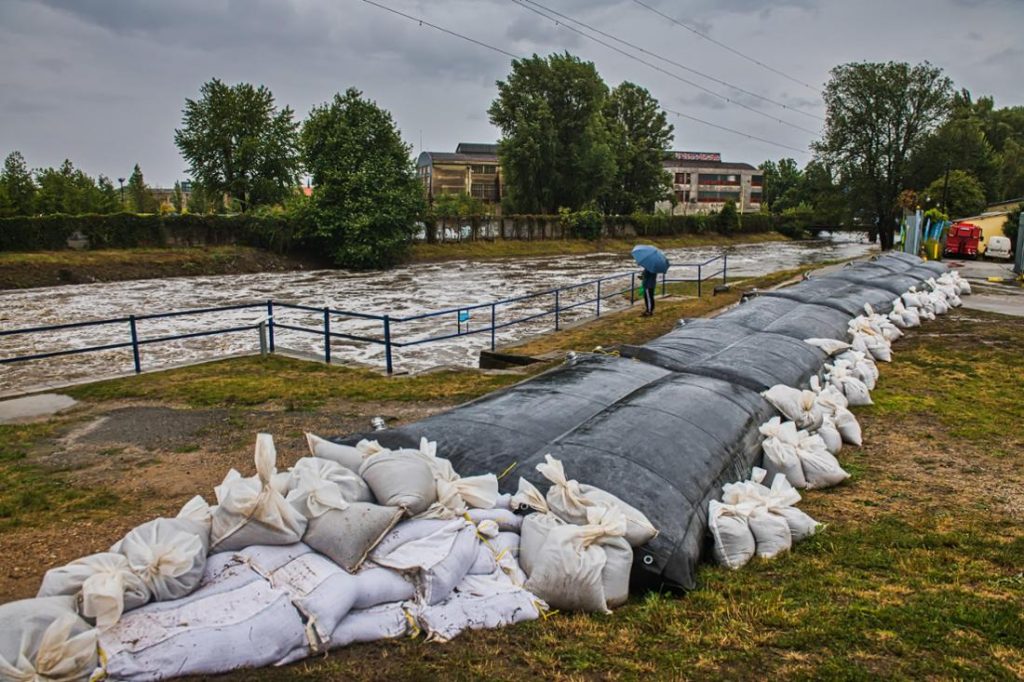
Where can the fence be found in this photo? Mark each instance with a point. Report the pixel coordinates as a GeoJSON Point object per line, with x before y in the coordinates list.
{"type": "Point", "coordinates": [266, 324]}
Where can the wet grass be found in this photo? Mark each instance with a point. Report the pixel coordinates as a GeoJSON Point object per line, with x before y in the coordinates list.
{"type": "Point", "coordinates": [483, 250]}
{"type": "Point", "coordinates": [35, 495]}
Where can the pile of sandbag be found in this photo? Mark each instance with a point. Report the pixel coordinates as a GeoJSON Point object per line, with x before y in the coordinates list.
{"type": "Point", "coordinates": [756, 520]}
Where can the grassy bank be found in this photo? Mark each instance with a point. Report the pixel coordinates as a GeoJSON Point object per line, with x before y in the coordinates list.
{"type": "Point", "coordinates": [22, 270]}
{"type": "Point", "coordinates": [481, 250]}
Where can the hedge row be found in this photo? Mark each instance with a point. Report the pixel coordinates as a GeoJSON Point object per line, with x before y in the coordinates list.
{"type": "Point", "coordinates": [128, 230]}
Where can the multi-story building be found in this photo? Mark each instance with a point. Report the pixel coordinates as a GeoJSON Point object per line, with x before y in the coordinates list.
{"type": "Point", "coordinates": [702, 183]}
{"type": "Point", "coordinates": [473, 169]}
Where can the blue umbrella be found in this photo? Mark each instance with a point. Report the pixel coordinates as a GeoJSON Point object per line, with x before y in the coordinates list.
{"type": "Point", "coordinates": [650, 258]}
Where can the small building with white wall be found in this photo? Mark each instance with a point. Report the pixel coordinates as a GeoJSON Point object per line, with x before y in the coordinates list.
{"type": "Point", "coordinates": [702, 183]}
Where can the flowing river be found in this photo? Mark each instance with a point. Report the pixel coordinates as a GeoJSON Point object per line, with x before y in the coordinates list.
{"type": "Point", "coordinates": [401, 292]}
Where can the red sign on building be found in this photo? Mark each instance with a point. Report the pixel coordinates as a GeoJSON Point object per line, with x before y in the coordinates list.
{"type": "Point", "coordinates": [697, 156]}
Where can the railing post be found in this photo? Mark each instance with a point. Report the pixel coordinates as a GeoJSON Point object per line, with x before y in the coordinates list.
{"type": "Point", "coordinates": [632, 288]}
{"type": "Point", "coordinates": [598, 298]}
{"type": "Point", "coordinates": [493, 322]}
{"type": "Point", "coordinates": [262, 327]}
{"type": "Point", "coordinates": [557, 327]}
{"type": "Point", "coordinates": [327, 335]}
{"type": "Point", "coordinates": [700, 279]}
{"type": "Point", "coordinates": [387, 344]}
{"type": "Point", "coordinates": [135, 344]}
{"type": "Point", "coordinates": [725, 268]}
{"type": "Point", "coordinates": [664, 275]}
{"type": "Point", "coordinates": [270, 324]}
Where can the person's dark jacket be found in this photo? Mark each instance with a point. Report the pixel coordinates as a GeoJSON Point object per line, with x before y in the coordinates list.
{"type": "Point", "coordinates": [650, 280]}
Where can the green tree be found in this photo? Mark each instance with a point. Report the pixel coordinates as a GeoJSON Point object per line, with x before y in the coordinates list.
{"type": "Point", "coordinates": [1011, 169]}
{"type": "Point", "coordinates": [139, 197]}
{"type": "Point", "coordinates": [178, 198]}
{"type": "Point", "coordinates": [960, 195]}
{"type": "Point", "coordinates": [779, 181]}
{"type": "Point", "coordinates": [19, 190]}
{"type": "Point", "coordinates": [459, 205]}
{"type": "Point", "coordinates": [366, 196]}
{"type": "Point", "coordinates": [238, 143]}
{"type": "Point", "coordinates": [554, 148]}
{"type": "Point", "coordinates": [639, 135]}
{"type": "Point", "coordinates": [1012, 226]}
{"type": "Point", "coordinates": [199, 201]}
{"type": "Point", "coordinates": [878, 116]}
{"type": "Point", "coordinates": [107, 198]}
{"type": "Point", "coordinates": [68, 190]}
{"type": "Point", "coordinates": [728, 219]}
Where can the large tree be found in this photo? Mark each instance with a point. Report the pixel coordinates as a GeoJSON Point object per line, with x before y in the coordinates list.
{"type": "Point", "coordinates": [878, 115]}
{"type": "Point", "coordinates": [639, 135]}
{"type": "Point", "coordinates": [140, 197]}
{"type": "Point", "coordinates": [554, 147]}
{"type": "Point", "coordinates": [779, 183]}
{"type": "Point", "coordinates": [18, 188]}
{"type": "Point", "coordinates": [366, 197]}
{"type": "Point", "coordinates": [70, 190]}
{"type": "Point", "coordinates": [238, 143]}
{"type": "Point", "coordinates": [959, 194]}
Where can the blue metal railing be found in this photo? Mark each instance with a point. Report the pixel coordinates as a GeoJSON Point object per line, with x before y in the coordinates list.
{"type": "Point", "coordinates": [268, 325]}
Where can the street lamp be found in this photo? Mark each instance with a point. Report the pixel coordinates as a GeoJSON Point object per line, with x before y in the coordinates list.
{"type": "Point", "coordinates": [121, 180]}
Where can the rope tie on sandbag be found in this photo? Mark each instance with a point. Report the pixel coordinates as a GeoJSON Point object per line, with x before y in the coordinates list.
{"type": "Point", "coordinates": [508, 470]}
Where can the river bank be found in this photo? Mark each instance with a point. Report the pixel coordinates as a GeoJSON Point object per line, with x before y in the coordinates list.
{"type": "Point", "coordinates": [25, 270]}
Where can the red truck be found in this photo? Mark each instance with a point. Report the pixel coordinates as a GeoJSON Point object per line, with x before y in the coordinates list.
{"type": "Point", "coordinates": [962, 240]}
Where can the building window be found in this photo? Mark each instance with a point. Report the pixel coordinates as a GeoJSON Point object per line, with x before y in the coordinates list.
{"type": "Point", "coordinates": [756, 180]}
{"type": "Point", "coordinates": [487, 191]}
{"type": "Point", "coordinates": [682, 178]}
{"type": "Point", "coordinates": [716, 179]}
{"type": "Point", "coordinates": [682, 196]}
{"type": "Point", "coordinates": [485, 169]}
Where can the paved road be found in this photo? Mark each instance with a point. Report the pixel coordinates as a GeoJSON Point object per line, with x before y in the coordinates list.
{"type": "Point", "coordinates": [1007, 299]}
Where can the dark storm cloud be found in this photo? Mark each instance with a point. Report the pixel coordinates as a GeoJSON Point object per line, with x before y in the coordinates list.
{"type": "Point", "coordinates": [103, 81]}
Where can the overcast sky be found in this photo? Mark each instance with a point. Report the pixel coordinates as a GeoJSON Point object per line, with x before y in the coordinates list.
{"type": "Point", "coordinates": [103, 82]}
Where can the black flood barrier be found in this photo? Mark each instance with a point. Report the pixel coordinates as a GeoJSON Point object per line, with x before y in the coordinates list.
{"type": "Point", "coordinates": [489, 434]}
{"type": "Point", "coordinates": [667, 449]}
{"type": "Point", "coordinates": [725, 350]}
{"type": "Point", "coordinates": [894, 283]}
{"type": "Point", "coordinates": [789, 318]}
{"type": "Point", "coordinates": [847, 297]}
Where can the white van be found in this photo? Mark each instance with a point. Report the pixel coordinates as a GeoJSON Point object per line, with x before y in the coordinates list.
{"type": "Point", "coordinates": [998, 247]}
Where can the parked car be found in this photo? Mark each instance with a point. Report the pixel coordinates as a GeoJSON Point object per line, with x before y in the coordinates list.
{"type": "Point", "coordinates": [999, 247]}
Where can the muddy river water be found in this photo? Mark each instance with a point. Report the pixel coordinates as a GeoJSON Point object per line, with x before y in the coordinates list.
{"type": "Point", "coordinates": [403, 291]}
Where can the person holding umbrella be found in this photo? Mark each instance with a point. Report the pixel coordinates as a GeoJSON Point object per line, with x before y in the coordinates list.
{"type": "Point", "coordinates": [654, 262]}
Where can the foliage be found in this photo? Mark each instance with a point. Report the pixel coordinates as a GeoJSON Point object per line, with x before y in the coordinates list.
{"type": "Point", "coordinates": [779, 180]}
{"type": "Point", "coordinates": [199, 200]}
{"type": "Point", "coordinates": [238, 143]}
{"type": "Point", "coordinates": [554, 148]}
{"type": "Point", "coordinates": [936, 215]}
{"type": "Point", "coordinates": [69, 190]}
{"type": "Point", "coordinates": [17, 189]}
{"type": "Point", "coordinates": [1011, 227]}
{"type": "Point", "coordinates": [459, 205]}
{"type": "Point", "coordinates": [878, 116]}
{"type": "Point", "coordinates": [367, 198]}
{"type": "Point", "coordinates": [959, 194]}
{"type": "Point", "coordinates": [727, 220]}
{"type": "Point", "coordinates": [178, 198]}
{"type": "Point", "coordinates": [129, 230]}
{"type": "Point", "coordinates": [587, 223]}
{"type": "Point", "coordinates": [639, 134]}
{"type": "Point", "coordinates": [140, 198]}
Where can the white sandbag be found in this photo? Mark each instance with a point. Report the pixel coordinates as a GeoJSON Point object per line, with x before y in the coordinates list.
{"type": "Point", "coordinates": [386, 621]}
{"type": "Point", "coordinates": [198, 511]}
{"type": "Point", "coordinates": [570, 500]}
{"type": "Point", "coordinates": [801, 525]}
{"type": "Point", "coordinates": [492, 551]}
{"type": "Point", "coordinates": [479, 602]}
{"type": "Point", "coordinates": [770, 531]}
{"type": "Point", "coordinates": [250, 512]}
{"type": "Point", "coordinates": [455, 492]}
{"type": "Point", "coordinates": [265, 559]}
{"type": "Point", "coordinates": [167, 554]}
{"type": "Point", "coordinates": [830, 434]}
{"type": "Point", "coordinates": [795, 404]}
{"type": "Point", "coordinates": [751, 490]}
{"type": "Point", "coordinates": [250, 626]}
{"type": "Point", "coordinates": [529, 497]}
{"type": "Point", "coordinates": [506, 519]}
{"type": "Point", "coordinates": [829, 346]}
{"type": "Point", "coordinates": [734, 544]}
{"type": "Point", "coordinates": [821, 469]}
{"type": "Point", "coordinates": [584, 567]}
{"type": "Point", "coordinates": [320, 589]}
{"type": "Point", "coordinates": [780, 456]}
{"type": "Point", "coordinates": [841, 376]}
{"type": "Point", "coordinates": [436, 563]}
{"type": "Point", "coordinates": [875, 344]}
{"type": "Point", "coordinates": [407, 531]}
{"type": "Point", "coordinates": [377, 585]}
{"type": "Point", "coordinates": [533, 535]}
{"type": "Point", "coordinates": [104, 583]}
{"type": "Point", "coordinates": [400, 480]}
{"type": "Point", "coordinates": [353, 488]}
{"type": "Point", "coordinates": [43, 640]}
{"type": "Point", "coordinates": [862, 366]}
{"type": "Point", "coordinates": [347, 456]}
{"type": "Point", "coordinates": [348, 535]}
{"type": "Point", "coordinates": [964, 287]}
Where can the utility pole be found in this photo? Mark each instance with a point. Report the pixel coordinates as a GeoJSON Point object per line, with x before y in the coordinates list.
{"type": "Point", "coordinates": [945, 190]}
{"type": "Point", "coordinates": [121, 180]}
{"type": "Point", "coordinates": [1018, 266]}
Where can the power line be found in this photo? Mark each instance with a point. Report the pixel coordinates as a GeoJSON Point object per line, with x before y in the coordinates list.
{"type": "Point", "coordinates": [493, 48]}
{"type": "Point", "coordinates": [676, 64]}
{"type": "Point", "coordinates": [424, 22]}
{"type": "Point", "coordinates": [726, 47]}
{"type": "Point", "coordinates": [522, 3]}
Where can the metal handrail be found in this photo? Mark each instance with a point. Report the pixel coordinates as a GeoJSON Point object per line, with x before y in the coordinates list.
{"type": "Point", "coordinates": [267, 324]}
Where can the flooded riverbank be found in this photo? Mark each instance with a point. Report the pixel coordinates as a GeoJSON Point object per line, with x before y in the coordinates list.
{"type": "Point", "coordinates": [404, 291]}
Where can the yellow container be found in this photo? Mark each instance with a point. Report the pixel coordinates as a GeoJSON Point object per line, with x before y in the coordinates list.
{"type": "Point", "coordinates": [933, 249]}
